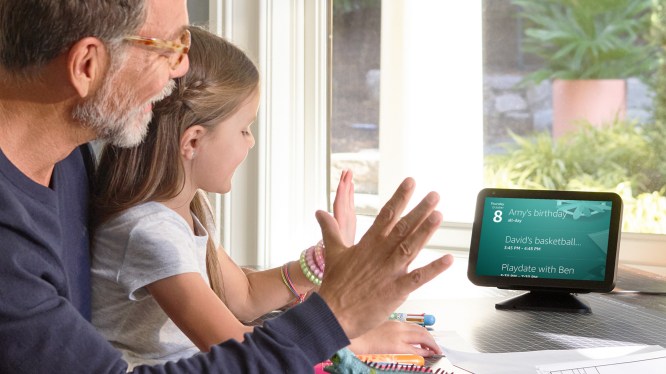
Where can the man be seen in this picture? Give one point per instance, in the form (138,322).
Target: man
(73,71)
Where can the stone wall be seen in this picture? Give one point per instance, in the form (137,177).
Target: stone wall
(523,110)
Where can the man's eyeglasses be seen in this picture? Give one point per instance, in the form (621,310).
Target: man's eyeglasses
(177,49)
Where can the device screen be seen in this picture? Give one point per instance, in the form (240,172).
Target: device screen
(541,239)
(544,238)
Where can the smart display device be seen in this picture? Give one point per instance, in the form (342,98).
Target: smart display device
(554,244)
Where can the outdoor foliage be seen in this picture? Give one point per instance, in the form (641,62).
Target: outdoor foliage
(644,213)
(581,39)
(656,129)
(619,157)
(346,6)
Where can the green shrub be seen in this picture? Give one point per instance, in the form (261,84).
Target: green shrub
(645,213)
(535,163)
(618,157)
(598,156)
(657,128)
(591,39)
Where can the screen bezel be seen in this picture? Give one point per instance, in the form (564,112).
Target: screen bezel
(543,284)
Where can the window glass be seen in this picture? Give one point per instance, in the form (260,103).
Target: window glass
(556,94)
(354,123)
(198,11)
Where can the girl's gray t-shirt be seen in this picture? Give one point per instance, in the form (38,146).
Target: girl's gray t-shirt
(142,245)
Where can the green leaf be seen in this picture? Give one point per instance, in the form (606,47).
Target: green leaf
(588,39)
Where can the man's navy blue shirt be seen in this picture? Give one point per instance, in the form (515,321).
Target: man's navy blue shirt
(45,293)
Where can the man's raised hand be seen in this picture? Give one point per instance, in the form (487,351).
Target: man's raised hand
(364,283)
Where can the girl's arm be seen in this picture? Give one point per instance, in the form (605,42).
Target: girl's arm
(193,306)
(197,311)
(252,294)
(190,302)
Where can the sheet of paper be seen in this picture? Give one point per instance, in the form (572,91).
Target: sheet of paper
(461,355)
(644,363)
(452,340)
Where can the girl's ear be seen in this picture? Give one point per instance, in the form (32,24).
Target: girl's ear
(191,141)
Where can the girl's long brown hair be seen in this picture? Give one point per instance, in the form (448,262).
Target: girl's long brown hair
(221,77)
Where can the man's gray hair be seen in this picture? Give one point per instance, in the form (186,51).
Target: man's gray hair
(34,32)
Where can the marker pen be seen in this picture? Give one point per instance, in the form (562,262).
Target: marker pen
(389,358)
(421,319)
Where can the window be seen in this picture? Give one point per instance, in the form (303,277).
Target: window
(268,217)
(429,120)
(408,74)
(439,91)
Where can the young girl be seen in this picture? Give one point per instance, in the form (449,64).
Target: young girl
(162,288)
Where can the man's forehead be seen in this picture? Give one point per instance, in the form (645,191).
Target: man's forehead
(165,18)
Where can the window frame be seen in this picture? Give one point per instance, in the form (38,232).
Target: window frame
(268,217)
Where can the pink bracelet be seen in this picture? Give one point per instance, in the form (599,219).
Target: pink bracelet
(319,257)
(311,276)
(310,259)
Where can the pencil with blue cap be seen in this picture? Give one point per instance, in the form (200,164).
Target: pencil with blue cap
(422,319)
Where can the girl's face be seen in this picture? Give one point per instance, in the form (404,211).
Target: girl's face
(223,148)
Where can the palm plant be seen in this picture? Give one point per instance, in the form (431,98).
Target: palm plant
(587,39)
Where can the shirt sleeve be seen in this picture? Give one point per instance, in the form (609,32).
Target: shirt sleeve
(293,342)
(159,246)
(41,332)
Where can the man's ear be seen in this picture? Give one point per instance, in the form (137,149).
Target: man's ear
(87,64)
(190,141)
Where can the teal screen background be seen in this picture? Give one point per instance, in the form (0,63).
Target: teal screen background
(542,238)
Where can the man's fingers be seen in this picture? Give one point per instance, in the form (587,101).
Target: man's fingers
(404,234)
(416,216)
(412,245)
(418,277)
(391,211)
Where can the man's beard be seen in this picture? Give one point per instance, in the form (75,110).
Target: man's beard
(114,116)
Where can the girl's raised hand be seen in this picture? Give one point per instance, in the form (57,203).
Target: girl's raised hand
(343,207)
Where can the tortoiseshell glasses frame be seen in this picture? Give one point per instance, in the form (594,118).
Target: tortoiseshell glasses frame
(177,49)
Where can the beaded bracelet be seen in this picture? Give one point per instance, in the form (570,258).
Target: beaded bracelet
(319,256)
(312,277)
(309,258)
(286,279)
